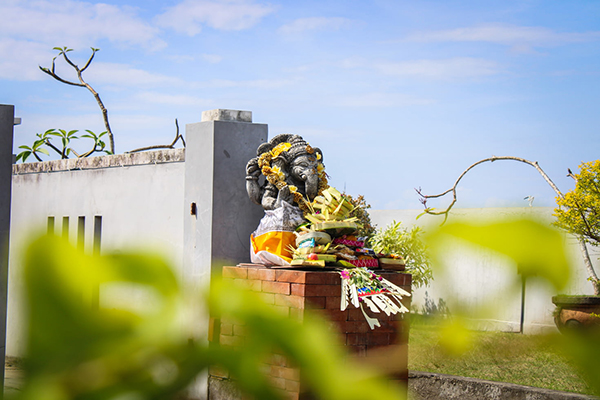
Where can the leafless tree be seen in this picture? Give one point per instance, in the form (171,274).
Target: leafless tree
(52,72)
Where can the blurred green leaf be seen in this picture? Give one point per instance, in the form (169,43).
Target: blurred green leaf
(454,337)
(536,247)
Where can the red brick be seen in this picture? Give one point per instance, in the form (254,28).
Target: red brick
(249,284)
(315,302)
(308,277)
(378,339)
(292,374)
(386,327)
(278,383)
(323,278)
(239,330)
(334,315)
(227,320)
(335,326)
(359,351)
(355,314)
(356,339)
(226,329)
(290,301)
(285,311)
(290,276)
(230,340)
(276,287)
(278,359)
(264,274)
(333,302)
(268,298)
(297,314)
(355,327)
(292,386)
(315,290)
(235,272)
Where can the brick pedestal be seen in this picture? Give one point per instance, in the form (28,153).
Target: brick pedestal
(293,291)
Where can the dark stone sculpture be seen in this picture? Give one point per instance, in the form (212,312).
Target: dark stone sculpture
(292,168)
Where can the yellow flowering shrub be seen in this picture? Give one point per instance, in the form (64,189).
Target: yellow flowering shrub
(579,210)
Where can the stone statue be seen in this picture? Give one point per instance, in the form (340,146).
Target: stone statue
(293,170)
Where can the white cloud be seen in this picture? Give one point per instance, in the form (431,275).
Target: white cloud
(74,23)
(315,23)
(381,100)
(521,36)
(21,59)
(171,99)
(125,75)
(450,68)
(189,15)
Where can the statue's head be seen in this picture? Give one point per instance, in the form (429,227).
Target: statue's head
(288,160)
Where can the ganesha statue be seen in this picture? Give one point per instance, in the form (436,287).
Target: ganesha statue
(286,175)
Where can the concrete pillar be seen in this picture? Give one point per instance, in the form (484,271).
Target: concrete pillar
(7,120)
(219,216)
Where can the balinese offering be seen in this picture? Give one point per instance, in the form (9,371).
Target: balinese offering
(307,223)
(362,286)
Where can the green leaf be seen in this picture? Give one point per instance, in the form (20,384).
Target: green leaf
(23,155)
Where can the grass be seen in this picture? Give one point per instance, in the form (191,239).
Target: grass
(497,356)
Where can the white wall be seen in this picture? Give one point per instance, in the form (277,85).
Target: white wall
(139,196)
(475,275)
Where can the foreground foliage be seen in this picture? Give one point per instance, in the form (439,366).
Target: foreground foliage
(543,257)
(144,351)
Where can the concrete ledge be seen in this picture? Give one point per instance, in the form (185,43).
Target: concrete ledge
(118,160)
(430,386)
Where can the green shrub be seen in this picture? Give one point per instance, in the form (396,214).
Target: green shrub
(396,239)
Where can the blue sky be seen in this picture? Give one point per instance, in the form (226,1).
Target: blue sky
(397,94)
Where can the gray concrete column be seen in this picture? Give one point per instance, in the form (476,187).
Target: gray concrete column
(219,216)
(7,120)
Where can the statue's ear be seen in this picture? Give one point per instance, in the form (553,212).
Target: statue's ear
(318,151)
(285,157)
(263,148)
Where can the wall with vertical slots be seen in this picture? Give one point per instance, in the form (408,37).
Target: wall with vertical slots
(118,202)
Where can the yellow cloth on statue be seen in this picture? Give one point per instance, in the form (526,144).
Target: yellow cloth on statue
(275,242)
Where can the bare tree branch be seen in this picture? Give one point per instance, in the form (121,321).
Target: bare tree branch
(582,245)
(453,189)
(82,83)
(163,146)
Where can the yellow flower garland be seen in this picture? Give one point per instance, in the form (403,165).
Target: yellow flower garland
(276,177)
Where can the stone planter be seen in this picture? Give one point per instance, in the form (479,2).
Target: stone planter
(576,311)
